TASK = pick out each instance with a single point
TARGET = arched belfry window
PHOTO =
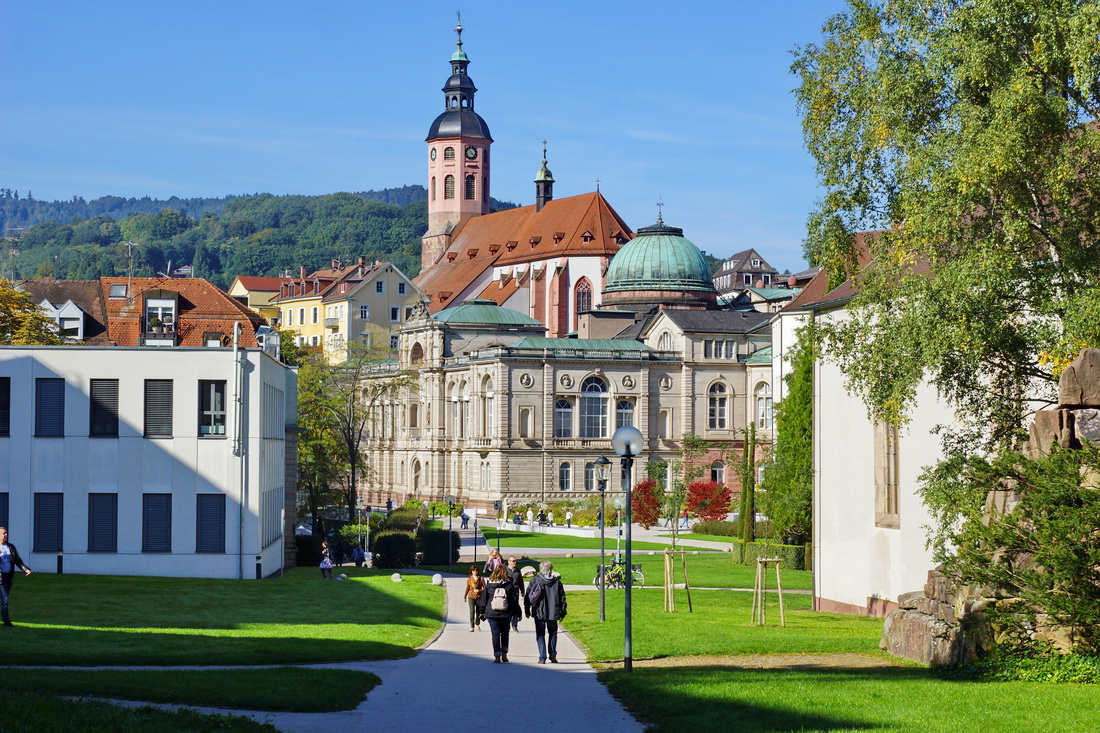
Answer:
(449, 186)
(717, 404)
(664, 343)
(448, 153)
(594, 400)
(470, 188)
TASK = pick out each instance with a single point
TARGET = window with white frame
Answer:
(718, 472)
(624, 413)
(364, 313)
(211, 407)
(563, 419)
(664, 343)
(589, 476)
(565, 477)
(380, 286)
(764, 406)
(401, 287)
(301, 316)
(594, 400)
(289, 316)
(316, 314)
(716, 406)
(394, 341)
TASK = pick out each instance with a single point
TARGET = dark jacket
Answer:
(486, 600)
(517, 581)
(552, 606)
(16, 564)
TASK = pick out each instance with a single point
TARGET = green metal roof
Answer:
(484, 312)
(538, 342)
(776, 293)
(763, 356)
(659, 258)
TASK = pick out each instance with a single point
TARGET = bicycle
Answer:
(615, 575)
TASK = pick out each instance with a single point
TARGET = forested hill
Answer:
(237, 235)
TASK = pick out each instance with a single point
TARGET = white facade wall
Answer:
(246, 465)
(860, 567)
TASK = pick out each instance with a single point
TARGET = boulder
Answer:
(396, 577)
(910, 599)
(912, 635)
(1079, 384)
(1086, 424)
(1048, 428)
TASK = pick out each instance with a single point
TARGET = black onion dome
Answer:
(460, 122)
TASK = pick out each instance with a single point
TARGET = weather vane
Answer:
(660, 205)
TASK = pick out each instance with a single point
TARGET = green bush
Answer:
(309, 550)
(433, 545)
(721, 529)
(394, 549)
(404, 519)
(793, 556)
(1010, 667)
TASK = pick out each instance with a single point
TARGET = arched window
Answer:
(563, 419)
(664, 343)
(589, 476)
(487, 417)
(718, 472)
(764, 406)
(448, 153)
(565, 477)
(464, 408)
(416, 354)
(624, 413)
(449, 186)
(717, 406)
(414, 415)
(582, 298)
(470, 188)
(433, 188)
(417, 478)
(594, 408)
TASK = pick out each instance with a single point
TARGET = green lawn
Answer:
(282, 689)
(898, 699)
(719, 625)
(511, 539)
(45, 713)
(707, 537)
(108, 620)
(704, 571)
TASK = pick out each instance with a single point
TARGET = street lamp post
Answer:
(627, 442)
(601, 476)
(359, 511)
(618, 503)
(450, 530)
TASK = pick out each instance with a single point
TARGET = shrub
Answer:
(309, 550)
(394, 549)
(433, 544)
(1010, 667)
(722, 529)
(708, 500)
(793, 556)
(404, 519)
(646, 503)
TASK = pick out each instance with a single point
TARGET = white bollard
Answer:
(437, 579)
(396, 577)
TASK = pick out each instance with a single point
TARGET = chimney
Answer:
(337, 264)
(302, 272)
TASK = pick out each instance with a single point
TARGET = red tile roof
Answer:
(574, 226)
(256, 283)
(203, 308)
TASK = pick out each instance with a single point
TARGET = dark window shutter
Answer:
(104, 410)
(102, 522)
(48, 516)
(49, 407)
(156, 523)
(5, 406)
(3, 509)
(210, 523)
(158, 408)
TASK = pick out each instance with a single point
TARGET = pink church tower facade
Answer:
(458, 161)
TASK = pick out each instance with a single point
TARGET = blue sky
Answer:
(689, 102)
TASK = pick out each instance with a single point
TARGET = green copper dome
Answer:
(659, 258)
(484, 312)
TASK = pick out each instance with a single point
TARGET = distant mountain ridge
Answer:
(24, 212)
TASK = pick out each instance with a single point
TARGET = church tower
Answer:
(458, 160)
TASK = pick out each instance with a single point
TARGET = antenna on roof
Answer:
(169, 269)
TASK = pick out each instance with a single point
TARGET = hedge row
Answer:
(404, 540)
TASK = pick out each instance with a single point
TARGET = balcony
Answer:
(332, 323)
(158, 333)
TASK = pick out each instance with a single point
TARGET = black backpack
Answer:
(535, 593)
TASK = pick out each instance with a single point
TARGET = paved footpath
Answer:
(454, 682)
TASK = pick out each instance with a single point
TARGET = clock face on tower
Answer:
(432, 154)
(471, 152)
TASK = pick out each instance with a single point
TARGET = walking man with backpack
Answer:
(545, 602)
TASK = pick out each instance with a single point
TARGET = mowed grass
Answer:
(282, 689)
(109, 620)
(512, 539)
(45, 713)
(839, 699)
(719, 625)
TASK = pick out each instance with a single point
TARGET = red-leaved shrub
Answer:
(646, 503)
(708, 500)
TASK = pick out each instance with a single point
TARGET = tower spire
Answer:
(544, 183)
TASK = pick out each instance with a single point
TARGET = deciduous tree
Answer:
(645, 502)
(22, 322)
(708, 500)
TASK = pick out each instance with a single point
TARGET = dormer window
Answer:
(756, 263)
(587, 237)
(451, 256)
(118, 290)
(494, 248)
(534, 241)
(511, 245)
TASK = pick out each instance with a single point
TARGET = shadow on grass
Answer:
(92, 620)
(736, 698)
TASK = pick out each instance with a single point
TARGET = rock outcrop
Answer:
(945, 622)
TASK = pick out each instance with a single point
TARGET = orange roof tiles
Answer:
(499, 292)
(202, 308)
(261, 283)
(577, 225)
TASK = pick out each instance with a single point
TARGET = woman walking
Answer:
(475, 587)
(499, 603)
(492, 563)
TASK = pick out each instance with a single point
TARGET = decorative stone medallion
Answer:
(628, 382)
(665, 382)
(526, 380)
(566, 381)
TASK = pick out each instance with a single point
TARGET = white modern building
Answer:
(146, 461)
